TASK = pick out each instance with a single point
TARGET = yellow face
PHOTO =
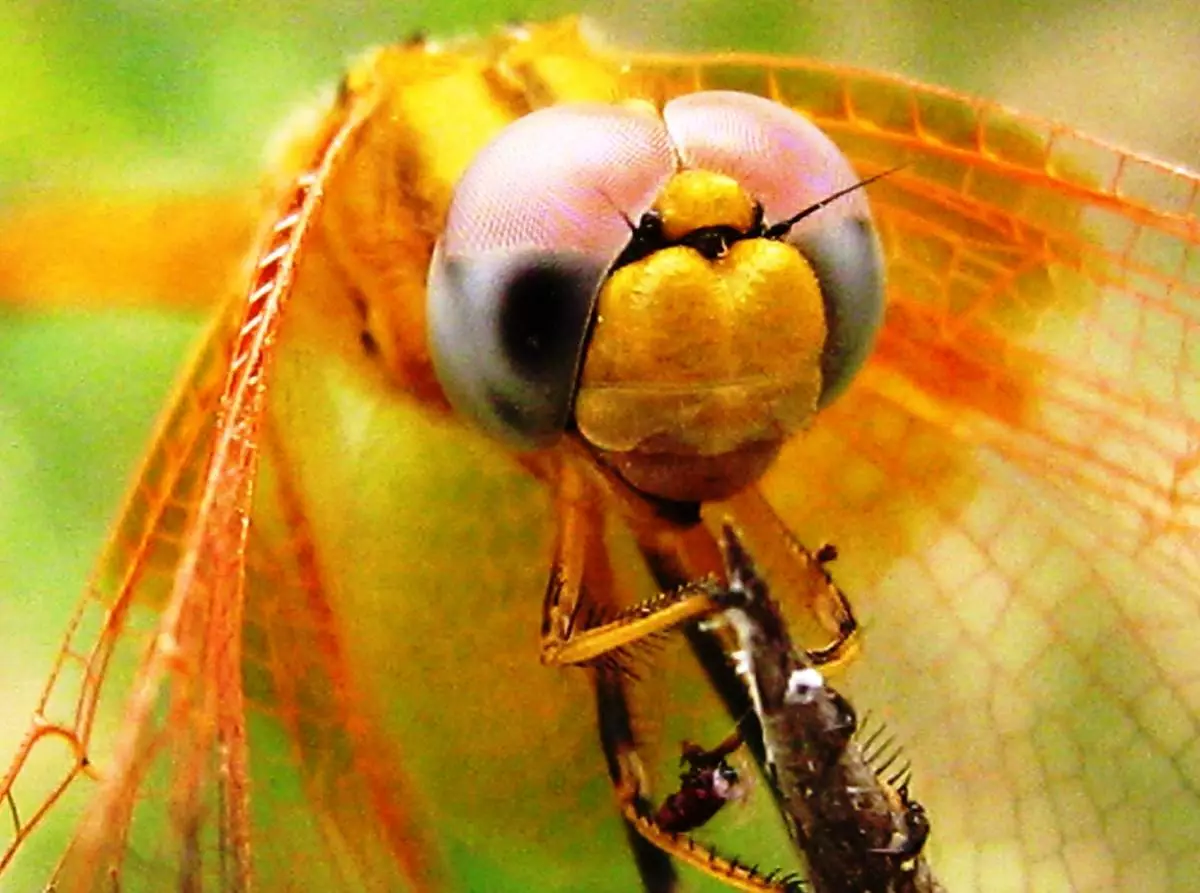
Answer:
(1010, 480)
(700, 365)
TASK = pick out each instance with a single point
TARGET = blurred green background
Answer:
(128, 94)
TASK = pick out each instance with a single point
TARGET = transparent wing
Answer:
(336, 786)
(164, 619)
(1014, 484)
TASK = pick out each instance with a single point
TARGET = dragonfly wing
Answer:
(166, 616)
(338, 796)
(118, 613)
(1013, 482)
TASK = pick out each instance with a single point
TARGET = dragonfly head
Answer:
(685, 289)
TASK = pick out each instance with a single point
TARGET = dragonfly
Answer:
(345, 665)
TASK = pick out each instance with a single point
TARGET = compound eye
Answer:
(533, 227)
(786, 162)
(845, 256)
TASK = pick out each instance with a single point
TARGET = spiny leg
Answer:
(799, 573)
(625, 771)
(651, 841)
(688, 551)
(858, 830)
(651, 844)
(582, 558)
(683, 549)
(579, 626)
(584, 624)
(581, 590)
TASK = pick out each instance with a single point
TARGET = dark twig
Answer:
(858, 832)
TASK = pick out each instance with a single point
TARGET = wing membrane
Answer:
(120, 607)
(174, 574)
(1013, 483)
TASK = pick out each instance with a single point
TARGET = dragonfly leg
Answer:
(800, 574)
(651, 842)
(579, 625)
(581, 595)
(684, 558)
(625, 772)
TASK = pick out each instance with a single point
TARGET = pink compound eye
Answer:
(534, 227)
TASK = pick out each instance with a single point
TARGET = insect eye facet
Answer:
(846, 258)
(535, 225)
(787, 163)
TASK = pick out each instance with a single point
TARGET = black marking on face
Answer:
(710, 242)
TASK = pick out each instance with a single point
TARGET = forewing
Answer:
(165, 617)
(73, 729)
(1013, 482)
